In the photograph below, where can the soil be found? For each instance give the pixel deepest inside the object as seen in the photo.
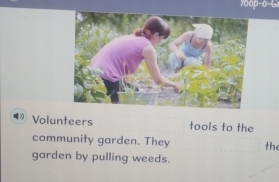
(168, 94)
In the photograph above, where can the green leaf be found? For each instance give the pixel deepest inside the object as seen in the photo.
(193, 87)
(87, 85)
(96, 71)
(85, 71)
(100, 88)
(223, 89)
(88, 96)
(228, 69)
(232, 81)
(78, 91)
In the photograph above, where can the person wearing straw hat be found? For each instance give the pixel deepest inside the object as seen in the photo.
(123, 55)
(188, 47)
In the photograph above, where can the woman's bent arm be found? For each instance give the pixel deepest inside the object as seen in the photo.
(150, 56)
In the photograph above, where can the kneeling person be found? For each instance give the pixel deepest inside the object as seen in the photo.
(192, 45)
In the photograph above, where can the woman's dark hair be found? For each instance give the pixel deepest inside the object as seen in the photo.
(152, 25)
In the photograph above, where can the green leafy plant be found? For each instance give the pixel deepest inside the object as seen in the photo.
(199, 86)
(229, 62)
(88, 85)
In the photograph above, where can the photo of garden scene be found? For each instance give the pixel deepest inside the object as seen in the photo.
(217, 87)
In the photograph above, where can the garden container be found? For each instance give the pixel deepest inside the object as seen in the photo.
(140, 98)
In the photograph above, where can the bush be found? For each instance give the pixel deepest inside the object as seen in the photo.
(88, 85)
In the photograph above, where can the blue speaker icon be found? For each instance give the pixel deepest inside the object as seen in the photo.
(18, 116)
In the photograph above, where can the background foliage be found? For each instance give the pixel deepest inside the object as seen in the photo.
(224, 28)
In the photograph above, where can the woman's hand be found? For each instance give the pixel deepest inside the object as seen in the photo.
(177, 88)
(179, 54)
(150, 56)
(174, 45)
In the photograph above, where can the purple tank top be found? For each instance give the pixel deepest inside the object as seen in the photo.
(120, 56)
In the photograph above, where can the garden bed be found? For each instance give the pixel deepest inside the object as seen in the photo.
(168, 97)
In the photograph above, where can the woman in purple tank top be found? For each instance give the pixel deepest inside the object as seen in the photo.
(123, 55)
(193, 44)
